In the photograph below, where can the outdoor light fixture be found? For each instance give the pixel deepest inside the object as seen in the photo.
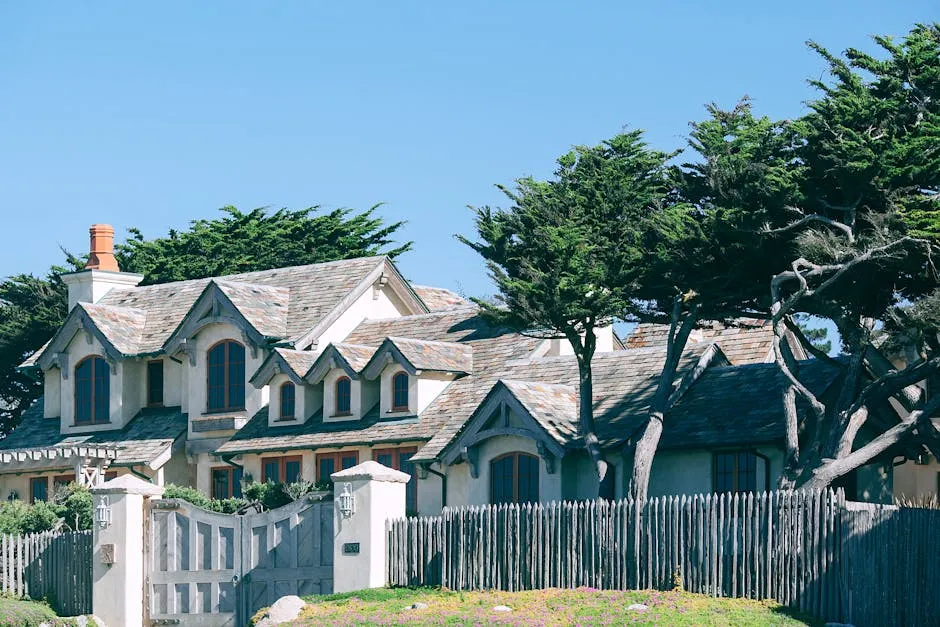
(347, 502)
(103, 513)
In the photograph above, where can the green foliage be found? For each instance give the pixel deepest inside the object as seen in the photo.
(818, 336)
(197, 498)
(32, 308)
(270, 495)
(16, 612)
(17, 517)
(77, 506)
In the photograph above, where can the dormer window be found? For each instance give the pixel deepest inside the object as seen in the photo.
(225, 363)
(288, 398)
(400, 391)
(343, 396)
(92, 391)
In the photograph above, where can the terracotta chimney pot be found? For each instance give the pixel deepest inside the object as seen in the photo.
(101, 255)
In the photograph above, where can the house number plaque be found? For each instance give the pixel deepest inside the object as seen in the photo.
(107, 553)
(351, 548)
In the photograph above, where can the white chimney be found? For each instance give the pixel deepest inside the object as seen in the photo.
(102, 273)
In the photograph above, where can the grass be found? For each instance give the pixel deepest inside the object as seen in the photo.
(583, 606)
(16, 612)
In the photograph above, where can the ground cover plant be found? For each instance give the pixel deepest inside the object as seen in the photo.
(15, 612)
(585, 606)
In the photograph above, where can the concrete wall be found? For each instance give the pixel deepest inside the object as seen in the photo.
(916, 480)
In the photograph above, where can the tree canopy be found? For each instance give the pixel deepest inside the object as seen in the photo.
(32, 308)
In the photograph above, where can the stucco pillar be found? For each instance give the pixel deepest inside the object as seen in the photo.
(118, 572)
(360, 537)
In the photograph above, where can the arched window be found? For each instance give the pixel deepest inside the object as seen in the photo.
(92, 391)
(400, 392)
(514, 478)
(343, 396)
(225, 364)
(288, 395)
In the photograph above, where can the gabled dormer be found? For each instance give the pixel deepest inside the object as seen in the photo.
(412, 373)
(291, 399)
(346, 395)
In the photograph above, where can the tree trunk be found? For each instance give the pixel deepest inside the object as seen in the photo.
(584, 351)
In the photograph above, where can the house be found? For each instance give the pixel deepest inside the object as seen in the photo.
(294, 373)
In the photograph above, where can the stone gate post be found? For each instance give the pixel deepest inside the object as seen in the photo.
(118, 558)
(364, 498)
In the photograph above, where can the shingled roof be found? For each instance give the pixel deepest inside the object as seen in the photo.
(553, 406)
(424, 355)
(438, 298)
(145, 438)
(744, 341)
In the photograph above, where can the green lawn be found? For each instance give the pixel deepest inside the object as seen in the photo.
(541, 607)
(22, 613)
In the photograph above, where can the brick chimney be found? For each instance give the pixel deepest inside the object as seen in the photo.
(101, 273)
(101, 250)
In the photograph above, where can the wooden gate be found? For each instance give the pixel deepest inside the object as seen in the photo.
(218, 569)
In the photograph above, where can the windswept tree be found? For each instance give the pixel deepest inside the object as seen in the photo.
(865, 258)
(32, 308)
(566, 254)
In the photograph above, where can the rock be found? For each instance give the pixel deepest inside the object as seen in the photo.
(418, 606)
(502, 608)
(284, 610)
(637, 607)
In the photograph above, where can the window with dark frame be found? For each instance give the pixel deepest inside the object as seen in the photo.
(92, 391)
(400, 459)
(735, 471)
(343, 390)
(514, 478)
(225, 373)
(328, 463)
(38, 489)
(286, 469)
(288, 395)
(155, 383)
(226, 482)
(400, 392)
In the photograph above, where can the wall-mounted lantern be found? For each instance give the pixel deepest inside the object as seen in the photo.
(347, 502)
(103, 513)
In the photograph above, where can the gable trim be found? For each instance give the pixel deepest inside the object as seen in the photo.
(328, 360)
(77, 321)
(220, 309)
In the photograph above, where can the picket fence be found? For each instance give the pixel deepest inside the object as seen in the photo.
(786, 546)
(52, 566)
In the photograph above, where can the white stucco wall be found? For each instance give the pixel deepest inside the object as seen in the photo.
(605, 343)
(329, 397)
(52, 393)
(301, 398)
(914, 480)
(385, 392)
(85, 345)
(372, 304)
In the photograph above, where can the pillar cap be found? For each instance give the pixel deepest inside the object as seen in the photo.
(128, 484)
(371, 471)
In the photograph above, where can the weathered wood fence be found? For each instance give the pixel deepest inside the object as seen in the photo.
(52, 566)
(786, 546)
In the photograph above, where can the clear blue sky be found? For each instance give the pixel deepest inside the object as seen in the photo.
(151, 116)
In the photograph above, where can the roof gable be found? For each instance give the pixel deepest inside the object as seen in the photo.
(417, 355)
(350, 357)
(117, 329)
(294, 364)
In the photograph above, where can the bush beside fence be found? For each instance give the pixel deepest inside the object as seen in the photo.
(786, 546)
(52, 566)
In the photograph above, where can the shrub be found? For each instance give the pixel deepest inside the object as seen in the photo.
(16, 612)
(78, 505)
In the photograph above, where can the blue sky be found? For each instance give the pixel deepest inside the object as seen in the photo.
(152, 115)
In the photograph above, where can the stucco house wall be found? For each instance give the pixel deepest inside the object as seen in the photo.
(917, 480)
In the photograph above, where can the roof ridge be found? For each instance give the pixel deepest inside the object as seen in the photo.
(441, 312)
(393, 338)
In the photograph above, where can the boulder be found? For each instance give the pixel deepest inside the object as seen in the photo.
(638, 607)
(417, 606)
(502, 608)
(284, 610)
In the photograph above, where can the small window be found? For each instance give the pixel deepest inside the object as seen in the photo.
(400, 392)
(287, 396)
(225, 372)
(400, 459)
(514, 478)
(38, 489)
(281, 469)
(343, 396)
(92, 391)
(154, 383)
(735, 472)
(226, 482)
(328, 463)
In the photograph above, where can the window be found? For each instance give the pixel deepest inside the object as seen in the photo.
(288, 395)
(61, 481)
(514, 478)
(226, 482)
(38, 489)
(328, 463)
(92, 391)
(735, 472)
(400, 459)
(280, 469)
(154, 383)
(343, 396)
(225, 364)
(400, 392)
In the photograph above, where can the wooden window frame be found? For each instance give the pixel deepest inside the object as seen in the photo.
(150, 363)
(396, 452)
(91, 394)
(515, 455)
(282, 417)
(36, 480)
(230, 470)
(226, 384)
(736, 471)
(282, 461)
(336, 411)
(337, 461)
(396, 377)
